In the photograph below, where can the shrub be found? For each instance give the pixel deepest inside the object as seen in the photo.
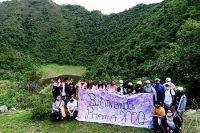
(41, 105)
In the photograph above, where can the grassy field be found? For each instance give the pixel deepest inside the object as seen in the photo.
(54, 70)
(191, 123)
(20, 122)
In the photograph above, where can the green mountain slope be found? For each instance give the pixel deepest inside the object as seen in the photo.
(144, 41)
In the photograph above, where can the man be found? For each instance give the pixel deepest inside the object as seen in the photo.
(159, 90)
(158, 116)
(72, 108)
(169, 97)
(181, 101)
(168, 80)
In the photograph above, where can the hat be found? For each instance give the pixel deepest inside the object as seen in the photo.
(180, 88)
(121, 81)
(168, 79)
(139, 82)
(157, 79)
(130, 83)
(148, 82)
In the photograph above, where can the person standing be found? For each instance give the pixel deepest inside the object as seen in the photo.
(81, 84)
(112, 87)
(64, 88)
(181, 101)
(57, 88)
(159, 90)
(129, 89)
(90, 85)
(148, 88)
(70, 91)
(169, 81)
(100, 86)
(169, 97)
(121, 89)
(138, 87)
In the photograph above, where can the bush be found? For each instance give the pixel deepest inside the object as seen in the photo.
(41, 105)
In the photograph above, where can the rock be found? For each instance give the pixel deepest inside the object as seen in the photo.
(3, 109)
(191, 111)
(12, 109)
(198, 110)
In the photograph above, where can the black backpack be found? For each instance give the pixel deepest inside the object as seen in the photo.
(55, 116)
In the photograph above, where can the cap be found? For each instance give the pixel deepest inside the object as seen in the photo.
(139, 82)
(130, 83)
(121, 81)
(168, 79)
(180, 88)
(148, 82)
(157, 79)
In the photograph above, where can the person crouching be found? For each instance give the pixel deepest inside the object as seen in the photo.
(58, 110)
(72, 108)
(158, 116)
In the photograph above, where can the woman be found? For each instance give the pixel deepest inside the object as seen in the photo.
(100, 86)
(112, 86)
(81, 84)
(70, 91)
(57, 87)
(129, 90)
(90, 85)
(58, 109)
(171, 123)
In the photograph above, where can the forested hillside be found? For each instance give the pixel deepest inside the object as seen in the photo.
(144, 41)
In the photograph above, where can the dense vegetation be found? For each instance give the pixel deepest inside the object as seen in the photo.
(156, 40)
(144, 42)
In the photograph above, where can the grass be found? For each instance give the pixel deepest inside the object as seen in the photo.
(54, 70)
(191, 123)
(21, 122)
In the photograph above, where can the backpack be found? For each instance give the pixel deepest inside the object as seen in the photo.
(55, 116)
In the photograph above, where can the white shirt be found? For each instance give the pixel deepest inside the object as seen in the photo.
(72, 105)
(168, 96)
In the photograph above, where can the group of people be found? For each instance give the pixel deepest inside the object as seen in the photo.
(65, 103)
(167, 99)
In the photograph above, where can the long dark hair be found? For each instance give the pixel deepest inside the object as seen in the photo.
(100, 85)
(70, 85)
(89, 84)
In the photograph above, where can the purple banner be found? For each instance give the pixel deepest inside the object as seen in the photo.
(124, 110)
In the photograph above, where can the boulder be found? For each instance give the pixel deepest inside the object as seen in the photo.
(191, 111)
(3, 109)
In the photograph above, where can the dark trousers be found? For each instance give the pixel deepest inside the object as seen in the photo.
(74, 115)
